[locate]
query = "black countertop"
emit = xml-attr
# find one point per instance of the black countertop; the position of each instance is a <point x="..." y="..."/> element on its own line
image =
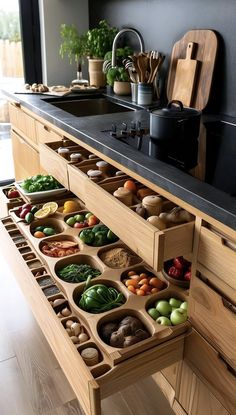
<point x="202" y="196"/>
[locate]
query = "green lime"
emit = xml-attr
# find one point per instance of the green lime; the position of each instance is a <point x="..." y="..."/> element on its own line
<point x="154" y="313"/>
<point x="79" y="218"/>
<point x="88" y="215"/>
<point x="71" y="221"/>
<point x="39" y="228"/>
<point x="29" y="217"/>
<point x="49" y="231"/>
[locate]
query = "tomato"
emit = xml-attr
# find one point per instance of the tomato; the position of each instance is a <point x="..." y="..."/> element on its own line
<point x="24" y="212"/>
<point x="130" y="185"/>
<point x="132" y="289"/>
<point x="131" y="282"/>
<point x="156" y="283"/>
<point x="145" y="288"/>
<point x="130" y="273"/>
<point x="140" y="292"/>
<point x="143" y="281"/>
<point x="92" y="220"/>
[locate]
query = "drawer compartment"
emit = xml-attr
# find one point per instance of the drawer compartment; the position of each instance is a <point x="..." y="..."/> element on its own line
<point x="136" y="232"/>
<point x="102" y="379"/>
<point x="214" y="317"/>
<point x="218" y="255"/>
<point x="23" y="122"/>
<point x="206" y="362"/>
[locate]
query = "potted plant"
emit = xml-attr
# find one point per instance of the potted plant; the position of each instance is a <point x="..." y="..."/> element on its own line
<point x="73" y="45"/>
<point x="98" y="42"/>
<point x="119" y="79"/>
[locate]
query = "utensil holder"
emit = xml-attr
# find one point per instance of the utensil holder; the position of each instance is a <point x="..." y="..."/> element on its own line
<point x="145" y="94"/>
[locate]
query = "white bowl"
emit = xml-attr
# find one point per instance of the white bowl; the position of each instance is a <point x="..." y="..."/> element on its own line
<point x="39" y="195"/>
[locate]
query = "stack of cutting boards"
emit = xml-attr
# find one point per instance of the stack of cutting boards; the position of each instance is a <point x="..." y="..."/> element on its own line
<point x="191" y="68"/>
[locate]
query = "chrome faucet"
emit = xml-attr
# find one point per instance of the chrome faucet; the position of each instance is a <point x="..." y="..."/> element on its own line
<point x="141" y="42"/>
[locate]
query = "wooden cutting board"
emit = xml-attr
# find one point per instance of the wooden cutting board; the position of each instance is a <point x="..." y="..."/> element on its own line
<point x="185" y="76"/>
<point x="207" y="44"/>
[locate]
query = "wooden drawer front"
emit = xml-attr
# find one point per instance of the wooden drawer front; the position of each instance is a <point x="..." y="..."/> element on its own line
<point x="208" y="365"/>
<point x="138" y="234"/>
<point x="177" y="241"/>
<point x="195" y="397"/>
<point x="212" y="316"/>
<point x="217" y="257"/>
<point x="77" y="181"/>
<point x="26" y="158"/>
<point x="46" y="134"/>
<point x="54" y="164"/>
<point x="23" y="122"/>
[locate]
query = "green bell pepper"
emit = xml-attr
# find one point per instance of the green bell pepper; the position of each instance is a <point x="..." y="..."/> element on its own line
<point x="87" y="236"/>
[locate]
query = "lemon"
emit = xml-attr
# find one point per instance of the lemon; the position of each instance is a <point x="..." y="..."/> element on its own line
<point x="53" y="206"/>
<point x="70" y="206"/>
<point x="42" y="213"/>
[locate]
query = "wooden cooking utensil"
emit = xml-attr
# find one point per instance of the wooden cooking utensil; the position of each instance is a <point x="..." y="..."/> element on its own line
<point x="185" y="77"/>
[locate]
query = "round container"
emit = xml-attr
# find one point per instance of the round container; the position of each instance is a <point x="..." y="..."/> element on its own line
<point x="122" y="88"/>
<point x="152" y="204"/>
<point x="90" y="356"/>
<point x="145" y="93"/>
<point x="124" y="195"/>
<point x="64" y="152"/>
<point x="95" y="175"/>
<point x="175" y="281"/>
<point x="75" y="157"/>
<point x="103" y="166"/>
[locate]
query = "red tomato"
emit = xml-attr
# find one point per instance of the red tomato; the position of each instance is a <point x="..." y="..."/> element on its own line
<point x="130" y="185"/>
<point x="92" y="220"/>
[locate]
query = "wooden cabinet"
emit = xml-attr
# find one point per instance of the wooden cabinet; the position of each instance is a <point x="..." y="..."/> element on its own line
<point x="203" y="383"/>
<point x="26" y="158"/>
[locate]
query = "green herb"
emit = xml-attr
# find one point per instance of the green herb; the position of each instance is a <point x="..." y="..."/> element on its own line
<point x="118" y="73"/>
<point x="100" y="39"/>
<point x="74" y="273"/>
<point x="74" y="44"/>
<point x="99" y="298"/>
<point x="40" y="183"/>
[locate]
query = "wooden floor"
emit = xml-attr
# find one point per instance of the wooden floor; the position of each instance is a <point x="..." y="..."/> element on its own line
<point x="31" y="381"/>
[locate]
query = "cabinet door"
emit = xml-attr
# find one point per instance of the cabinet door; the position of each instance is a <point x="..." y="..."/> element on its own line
<point x="23" y="122"/>
<point x="195" y="397"/>
<point x="26" y="158"/>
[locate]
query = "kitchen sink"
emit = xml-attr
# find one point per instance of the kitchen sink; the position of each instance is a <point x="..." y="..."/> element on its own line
<point x="88" y="105"/>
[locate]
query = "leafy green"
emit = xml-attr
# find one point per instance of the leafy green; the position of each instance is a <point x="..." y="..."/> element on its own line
<point x="99" y="298"/>
<point x="40" y="183"/>
<point x="118" y="73"/>
<point x="100" y="39"/>
<point x="74" y="273"/>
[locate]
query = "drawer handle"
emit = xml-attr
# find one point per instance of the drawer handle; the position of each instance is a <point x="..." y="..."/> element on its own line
<point x="46" y="128"/>
<point x="229" y="244"/>
<point x="229" y="305"/>
<point x="16" y="104"/>
<point x="227" y="365"/>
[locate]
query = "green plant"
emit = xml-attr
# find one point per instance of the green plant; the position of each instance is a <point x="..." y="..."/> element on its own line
<point x="118" y="73"/>
<point x="100" y="39"/>
<point x="73" y="45"/>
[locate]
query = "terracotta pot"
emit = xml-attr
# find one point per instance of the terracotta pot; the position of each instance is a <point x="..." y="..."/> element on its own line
<point x="96" y="76"/>
<point x="122" y="88"/>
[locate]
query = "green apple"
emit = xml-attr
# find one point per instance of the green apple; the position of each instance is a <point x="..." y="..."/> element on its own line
<point x="184" y="306"/>
<point x="178" y="316"/>
<point x="153" y="313"/>
<point x="163" y="321"/>
<point x="175" y="303"/>
<point x="88" y="215"/>
<point x="71" y="221"/>
<point x="164" y="307"/>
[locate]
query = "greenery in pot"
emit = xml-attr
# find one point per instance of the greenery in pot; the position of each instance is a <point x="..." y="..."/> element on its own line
<point x="118" y="73"/>
<point x="73" y="44"/>
<point x="100" y="39"/>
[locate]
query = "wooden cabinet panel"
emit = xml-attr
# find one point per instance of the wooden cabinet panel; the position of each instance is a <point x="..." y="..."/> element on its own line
<point x="195" y="397"/>
<point x="218" y="255"/>
<point x="57" y="166"/>
<point x="23" y="122"/>
<point x="46" y="134"/>
<point x="207" y="364"/>
<point x="214" y="317"/>
<point x="26" y="158"/>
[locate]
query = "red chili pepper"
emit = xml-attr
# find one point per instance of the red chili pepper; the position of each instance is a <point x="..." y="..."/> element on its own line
<point x="178" y="262"/>
<point x="174" y="272"/>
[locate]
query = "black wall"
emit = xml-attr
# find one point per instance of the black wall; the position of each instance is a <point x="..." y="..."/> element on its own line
<point x="163" y="22"/>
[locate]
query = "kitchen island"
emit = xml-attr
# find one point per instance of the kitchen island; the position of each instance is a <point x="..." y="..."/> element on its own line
<point x="206" y="344"/>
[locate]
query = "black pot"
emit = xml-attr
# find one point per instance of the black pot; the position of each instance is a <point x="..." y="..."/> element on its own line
<point x="174" y="122"/>
<point x="174" y="135"/>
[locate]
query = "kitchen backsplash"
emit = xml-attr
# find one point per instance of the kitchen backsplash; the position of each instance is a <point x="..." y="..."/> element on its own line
<point x="164" y="22"/>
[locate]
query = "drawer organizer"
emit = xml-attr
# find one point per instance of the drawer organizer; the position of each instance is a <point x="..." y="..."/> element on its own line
<point x="116" y="367"/>
<point x="152" y="245"/>
<point x="5" y="203"/>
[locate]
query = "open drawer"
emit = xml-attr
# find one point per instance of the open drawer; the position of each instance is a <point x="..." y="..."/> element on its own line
<point x="51" y="161"/>
<point x="6" y="203"/>
<point x="22" y="122"/>
<point x="90" y="383"/>
<point x="214" y="316"/>
<point x="208" y="364"/>
<point x="218" y="254"/>
<point x="152" y="245"/>
<point x="78" y="177"/>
